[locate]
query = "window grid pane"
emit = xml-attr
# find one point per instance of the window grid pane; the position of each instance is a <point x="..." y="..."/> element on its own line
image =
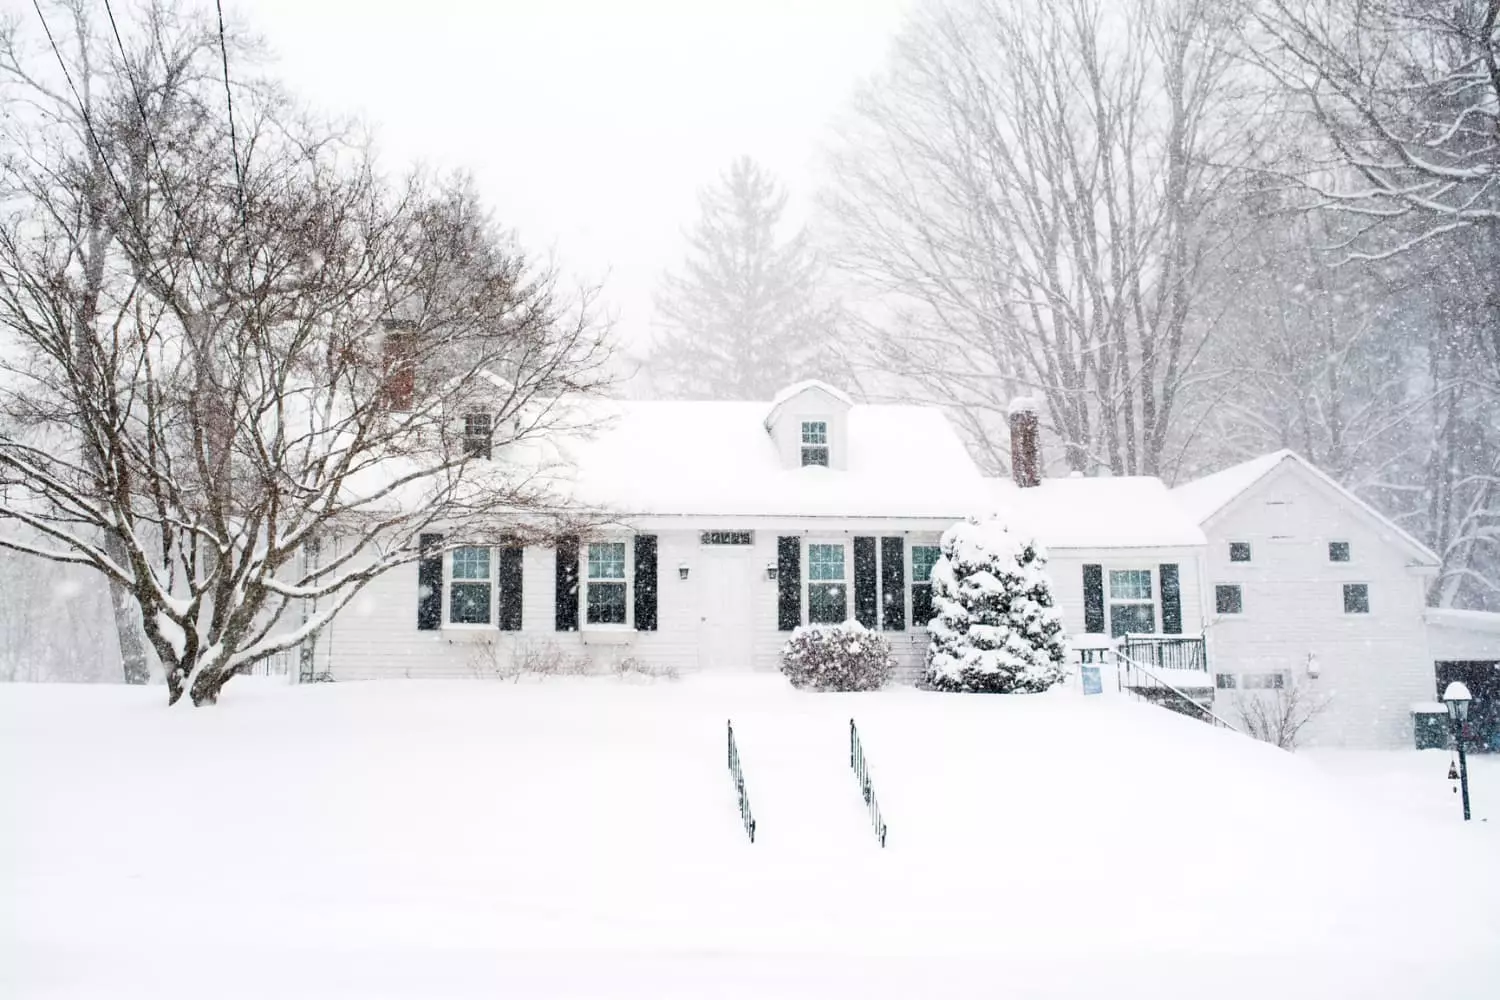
<point x="606" y="604"/>
<point x="607" y="561"/>
<point x="825" y="562"/>
<point x="923" y="558"/>
<point x="1338" y="551"/>
<point x="814" y="432"/>
<point x="1130" y="584"/>
<point x="1239" y="551"/>
<point x="471" y="564"/>
<point x="469" y="604"/>
<point x="1228" y="599"/>
<point x="815" y="455"/>
<point x="1356" y="599"/>
<point x="826" y="603"/>
<point x="1139" y="619"/>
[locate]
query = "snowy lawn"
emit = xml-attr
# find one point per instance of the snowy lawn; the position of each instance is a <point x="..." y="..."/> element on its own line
<point x="580" y="838"/>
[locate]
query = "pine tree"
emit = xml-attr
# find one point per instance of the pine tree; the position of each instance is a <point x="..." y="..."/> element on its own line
<point x="744" y="317"/>
<point x="997" y="628"/>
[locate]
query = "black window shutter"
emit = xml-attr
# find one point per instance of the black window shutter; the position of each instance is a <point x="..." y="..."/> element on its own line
<point x="429" y="582"/>
<point x="1093" y="598"/>
<point x="566" y="599"/>
<point x="866" y="585"/>
<point x="1171" y="600"/>
<point x="788" y="582"/>
<point x="893" y="583"/>
<point x="645" y="583"/>
<point x="510" y="588"/>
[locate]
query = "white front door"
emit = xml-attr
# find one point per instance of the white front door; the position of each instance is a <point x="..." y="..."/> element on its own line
<point x="726" y="596"/>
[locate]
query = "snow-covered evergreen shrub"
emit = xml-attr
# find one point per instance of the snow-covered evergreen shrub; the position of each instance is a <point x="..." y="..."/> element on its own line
<point x="996" y="627"/>
<point x="846" y="657"/>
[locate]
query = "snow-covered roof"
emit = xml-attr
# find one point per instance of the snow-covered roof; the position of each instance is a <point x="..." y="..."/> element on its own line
<point x="1474" y="621"/>
<point x="717" y="459"/>
<point x="1203" y="498"/>
<point x="1080" y="512"/>
<point x="798" y="388"/>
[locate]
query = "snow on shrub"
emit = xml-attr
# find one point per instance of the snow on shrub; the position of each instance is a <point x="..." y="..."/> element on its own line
<point x="847" y="657"/>
<point x="996" y="627"/>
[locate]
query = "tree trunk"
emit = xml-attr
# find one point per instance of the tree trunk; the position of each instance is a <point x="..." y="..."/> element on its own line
<point x="133" y="661"/>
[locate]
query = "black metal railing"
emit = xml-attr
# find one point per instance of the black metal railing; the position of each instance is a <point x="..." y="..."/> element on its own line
<point x="1170" y="652"/>
<point x="1138" y="679"/>
<point x="737" y="775"/>
<point x="866" y="787"/>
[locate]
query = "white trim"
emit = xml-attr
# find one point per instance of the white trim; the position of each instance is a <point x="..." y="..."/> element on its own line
<point x="847" y="545"/>
<point x="803" y="445"/>
<point x="447" y="591"/>
<point x="628" y="625"/>
<point x="1154" y="600"/>
<point x="1422" y="552"/>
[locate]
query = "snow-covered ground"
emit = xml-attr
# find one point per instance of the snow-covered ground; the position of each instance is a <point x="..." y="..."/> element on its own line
<point x="580" y="839"/>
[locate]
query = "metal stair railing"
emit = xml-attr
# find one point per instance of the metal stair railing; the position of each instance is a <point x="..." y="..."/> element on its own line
<point x="737" y="775"/>
<point x="1131" y="665"/>
<point x="862" y="775"/>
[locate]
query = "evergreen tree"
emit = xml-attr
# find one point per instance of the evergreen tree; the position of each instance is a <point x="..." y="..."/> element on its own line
<point x="997" y="628"/>
<point x="743" y="319"/>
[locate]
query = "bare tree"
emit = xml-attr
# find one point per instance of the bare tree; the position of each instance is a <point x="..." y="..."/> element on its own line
<point x="1407" y="93"/>
<point x="747" y="315"/>
<point x="1278" y="717"/>
<point x="262" y="345"/>
<point x="1033" y="193"/>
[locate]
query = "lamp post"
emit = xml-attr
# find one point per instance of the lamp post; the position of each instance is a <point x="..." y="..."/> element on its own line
<point x="1457" y="698"/>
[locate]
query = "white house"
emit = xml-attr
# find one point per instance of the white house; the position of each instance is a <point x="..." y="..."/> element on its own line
<point x="1309" y="585"/>
<point x="725" y="525"/>
<point x="730" y="524"/>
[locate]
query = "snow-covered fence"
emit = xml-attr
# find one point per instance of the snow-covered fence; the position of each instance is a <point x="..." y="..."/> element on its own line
<point x="866" y="786"/>
<point x="737" y="775"/>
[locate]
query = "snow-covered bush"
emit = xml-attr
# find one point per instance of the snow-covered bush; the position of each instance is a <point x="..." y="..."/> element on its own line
<point x="847" y="657"/>
<point x="996" y="628"/>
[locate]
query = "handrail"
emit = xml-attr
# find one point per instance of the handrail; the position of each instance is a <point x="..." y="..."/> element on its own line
<point x="1212" y="717"/>
<point x="866" y="786"/>
<point x="737" y="775"/>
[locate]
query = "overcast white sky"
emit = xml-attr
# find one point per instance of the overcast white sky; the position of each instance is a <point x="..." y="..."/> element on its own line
<point x="589" y="124"/>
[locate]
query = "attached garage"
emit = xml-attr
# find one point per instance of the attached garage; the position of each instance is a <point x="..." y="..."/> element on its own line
<point x="1465" y="646"/>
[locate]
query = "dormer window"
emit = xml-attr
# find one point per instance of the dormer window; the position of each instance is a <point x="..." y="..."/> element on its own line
<point x="478" y="435"/>
<point x="815" y="442"/>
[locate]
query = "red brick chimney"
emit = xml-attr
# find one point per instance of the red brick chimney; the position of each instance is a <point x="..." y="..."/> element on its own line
<point x="1025" y="443"/>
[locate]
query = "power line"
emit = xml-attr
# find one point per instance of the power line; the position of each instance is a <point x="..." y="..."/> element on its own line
<point x="140" y="104"/>
<point x="234" y="146"/>
<point x="83" y="109"/>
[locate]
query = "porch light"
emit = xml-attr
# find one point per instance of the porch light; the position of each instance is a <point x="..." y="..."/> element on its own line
<point x="770" y="571"/>
<point x="1457" y="698"/>
<point x="1312" y="666"/>
<point x="682" y="571"/>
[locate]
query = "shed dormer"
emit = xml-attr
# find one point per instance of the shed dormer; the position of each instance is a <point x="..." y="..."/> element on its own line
<point x="809" y="422"/>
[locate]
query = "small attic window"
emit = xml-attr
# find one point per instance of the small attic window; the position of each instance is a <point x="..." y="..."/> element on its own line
<point x="478" y="435"/>
<point x="815" y="442"/>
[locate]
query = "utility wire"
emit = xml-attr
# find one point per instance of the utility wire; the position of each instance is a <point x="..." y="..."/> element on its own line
<point x="140" y="104"/>
<point x="234" y="146"/>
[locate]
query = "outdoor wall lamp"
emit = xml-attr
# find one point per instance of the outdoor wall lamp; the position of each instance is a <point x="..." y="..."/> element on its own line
<point x="682" y="571"/>
<point x="770" y="571"/>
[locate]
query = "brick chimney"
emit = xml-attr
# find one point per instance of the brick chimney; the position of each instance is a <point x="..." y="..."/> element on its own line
<point x="1025" y="443"/>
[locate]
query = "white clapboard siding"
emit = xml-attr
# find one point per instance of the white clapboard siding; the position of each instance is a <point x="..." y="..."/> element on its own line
<point x="1371" y="667"/>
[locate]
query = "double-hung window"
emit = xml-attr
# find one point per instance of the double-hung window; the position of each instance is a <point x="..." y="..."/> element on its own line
<point x="478" y="435"/>
<point x="1131" y="606"/>
<point x="923" y="558"/>
<point x="470" y="587"/>
<point x="815" y="442"/>
<point x="606" y="584"/>
<point x="827" y="584"/>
